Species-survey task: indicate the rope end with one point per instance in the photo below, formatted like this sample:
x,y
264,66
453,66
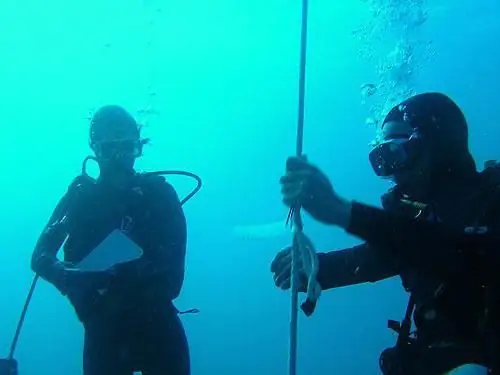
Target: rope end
x,y
308,307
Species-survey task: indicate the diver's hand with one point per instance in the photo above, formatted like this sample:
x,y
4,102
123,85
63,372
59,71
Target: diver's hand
x,y
306,185
281,268
76,279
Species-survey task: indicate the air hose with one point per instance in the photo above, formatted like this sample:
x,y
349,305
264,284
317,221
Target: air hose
x,y
158,173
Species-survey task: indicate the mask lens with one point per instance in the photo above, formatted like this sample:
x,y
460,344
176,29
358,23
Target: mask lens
x,y
389,157
117,149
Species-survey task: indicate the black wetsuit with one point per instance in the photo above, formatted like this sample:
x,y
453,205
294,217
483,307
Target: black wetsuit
x,y
450,271
134,326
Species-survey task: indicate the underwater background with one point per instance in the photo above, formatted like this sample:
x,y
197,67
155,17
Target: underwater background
x,y
215,85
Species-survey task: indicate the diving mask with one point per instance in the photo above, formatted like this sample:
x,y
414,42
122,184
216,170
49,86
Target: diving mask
x,y
118,149
393,155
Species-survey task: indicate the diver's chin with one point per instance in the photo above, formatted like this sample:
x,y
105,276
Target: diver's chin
x,y
402,180
116,172
412,184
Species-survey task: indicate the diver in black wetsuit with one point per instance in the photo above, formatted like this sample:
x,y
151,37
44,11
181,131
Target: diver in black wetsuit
x,y
439,231
130,321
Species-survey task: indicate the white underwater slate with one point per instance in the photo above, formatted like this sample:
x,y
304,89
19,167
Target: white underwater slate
x,y
115,249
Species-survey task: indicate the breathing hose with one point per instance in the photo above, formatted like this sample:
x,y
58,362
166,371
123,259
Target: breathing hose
x,y
158,173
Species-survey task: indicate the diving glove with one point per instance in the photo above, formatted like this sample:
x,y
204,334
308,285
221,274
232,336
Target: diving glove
x,y
76,278
69,279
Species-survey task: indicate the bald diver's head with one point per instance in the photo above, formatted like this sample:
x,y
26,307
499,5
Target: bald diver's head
x,y
116,141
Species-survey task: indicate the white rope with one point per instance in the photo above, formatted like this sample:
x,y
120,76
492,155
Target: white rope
x,y
304,261
310,264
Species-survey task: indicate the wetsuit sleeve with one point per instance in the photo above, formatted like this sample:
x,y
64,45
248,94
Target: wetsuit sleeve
x,y
44,260
356,265
431,247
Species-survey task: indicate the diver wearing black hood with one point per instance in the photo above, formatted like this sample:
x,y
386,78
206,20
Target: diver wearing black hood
x,y
439,231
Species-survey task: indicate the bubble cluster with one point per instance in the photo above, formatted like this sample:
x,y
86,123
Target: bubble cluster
x,y
392,44
152,12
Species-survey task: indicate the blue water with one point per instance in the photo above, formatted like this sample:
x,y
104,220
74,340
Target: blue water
x,y
215,84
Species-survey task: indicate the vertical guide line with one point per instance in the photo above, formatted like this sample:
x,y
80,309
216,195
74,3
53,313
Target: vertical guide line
x,y
295,210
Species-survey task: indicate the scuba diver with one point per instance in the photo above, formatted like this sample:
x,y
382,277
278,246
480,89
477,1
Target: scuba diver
x,y
130,322
438,230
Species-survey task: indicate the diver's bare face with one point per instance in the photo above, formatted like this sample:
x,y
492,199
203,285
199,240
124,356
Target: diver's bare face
x,y
117,165
116,160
